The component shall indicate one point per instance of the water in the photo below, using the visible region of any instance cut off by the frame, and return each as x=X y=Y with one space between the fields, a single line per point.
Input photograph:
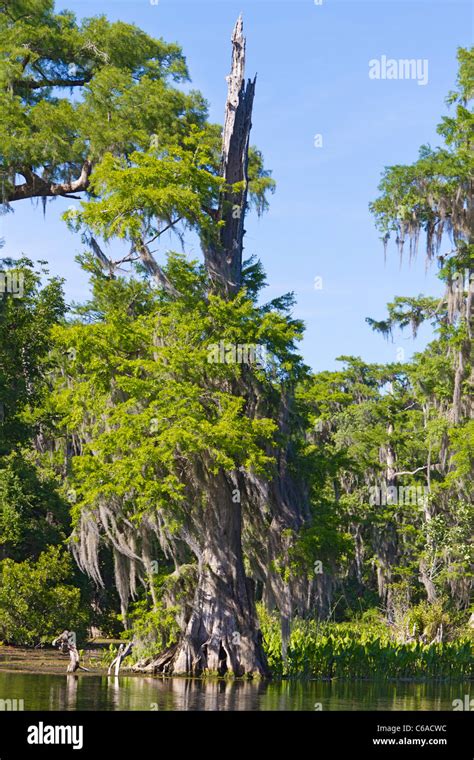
x=97 y=692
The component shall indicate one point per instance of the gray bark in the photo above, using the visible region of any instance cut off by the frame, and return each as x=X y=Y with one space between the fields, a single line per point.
x=123 y=651
x=66 y=643
x=38 y=187
x=221 y=634
x=223 y=255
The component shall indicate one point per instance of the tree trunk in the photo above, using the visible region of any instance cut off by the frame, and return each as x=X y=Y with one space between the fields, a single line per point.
x=222 y=634
x=223 y=255
x=386 y=542
x=427 y=582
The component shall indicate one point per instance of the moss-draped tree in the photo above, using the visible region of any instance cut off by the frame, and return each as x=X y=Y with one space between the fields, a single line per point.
x=228 y=481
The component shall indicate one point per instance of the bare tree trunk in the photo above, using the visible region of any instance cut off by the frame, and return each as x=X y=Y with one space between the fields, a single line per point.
x=223 y=256
x=387 y=542
x=427 y=582
x=458 y=381
x=464 y=353
x=123 y=652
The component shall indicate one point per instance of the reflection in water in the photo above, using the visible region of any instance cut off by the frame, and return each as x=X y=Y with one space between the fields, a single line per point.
x=113 y=684
x=73 y=692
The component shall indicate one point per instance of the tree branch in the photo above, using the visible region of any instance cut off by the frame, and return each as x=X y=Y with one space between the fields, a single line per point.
x=418 y=469
x=168 y=227
x=149 y=261
x=34 y=84
x=37 y=187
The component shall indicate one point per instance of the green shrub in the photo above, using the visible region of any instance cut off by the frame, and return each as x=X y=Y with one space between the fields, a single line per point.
x=152 y=630
x=38 y=599
x=426 y=618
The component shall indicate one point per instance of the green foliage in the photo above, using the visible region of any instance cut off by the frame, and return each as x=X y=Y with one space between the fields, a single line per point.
x=120 y=78
x=100 y=92
x=427 y=618
x=173 y=182
x=404 y=312
x=26 y=317
x=350 y=421
x=38 y=599
x=360 y=650
x=32 y=515
x=430 y=195
x=152 y=630
x=142 y=385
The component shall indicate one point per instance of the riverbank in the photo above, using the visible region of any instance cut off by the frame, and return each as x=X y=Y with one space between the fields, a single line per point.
x=324 y=657
x=49 y=661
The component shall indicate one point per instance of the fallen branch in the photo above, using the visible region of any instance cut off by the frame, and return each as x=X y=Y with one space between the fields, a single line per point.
x=66 y=643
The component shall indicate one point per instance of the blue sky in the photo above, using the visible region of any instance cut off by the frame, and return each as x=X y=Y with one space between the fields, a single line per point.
x=313 y=78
